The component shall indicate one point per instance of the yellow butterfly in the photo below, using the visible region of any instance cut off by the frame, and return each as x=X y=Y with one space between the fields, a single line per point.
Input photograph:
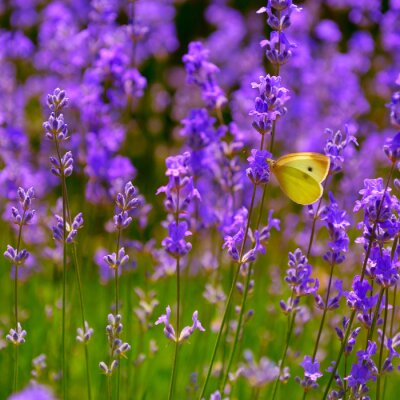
x=300 y=175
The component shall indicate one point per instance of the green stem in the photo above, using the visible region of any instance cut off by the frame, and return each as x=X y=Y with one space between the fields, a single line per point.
x=109 y=393
x=315 y=221
x=375 y=318
x=378 y=379
x=321 y=325
x=67 y=216
x=346 y=359
x=79 y=282
x=237 y=333
x=284 y=354
x=224 y=347
x=116 y=275
x=346 y=337
x=223 y=322
x=16 y=302
x=175 y=365
x=16 y=367
x=117 y=303
x=64 y=289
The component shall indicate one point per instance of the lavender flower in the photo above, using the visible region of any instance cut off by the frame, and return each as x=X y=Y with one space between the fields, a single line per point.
x=351 y=341
x=16 y=336
x=392 y=146
x=269 y=104
x=273 y=223
x=358 y=298
x=71 y=230
x=333 y=302
x=258 y=374
x=180 y=190
x=278 y=48
x=16 y=257
x=311 y=374
x=84 y=334
x=65 y=167
x=169 y=330
x=115 y=261
x=39 y=365
x=57 y=101
x=24 y=215
x=336 y=145
x=175 y=243
x=251 y=255
x=337 y=224
x=383 y=268
x=109 y=370
x=388 y=363
x=387 y=226
x=118 y=348
x=55 y=128
x=363 y=371
x=34 y=392
x=185 y=333
x=232 y=242
x=394 y=106
x=198 y=129
x=259 y=170
x=203 y=73
x=299 y=275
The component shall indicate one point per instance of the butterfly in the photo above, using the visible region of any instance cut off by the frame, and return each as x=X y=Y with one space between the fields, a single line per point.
x=300 y=175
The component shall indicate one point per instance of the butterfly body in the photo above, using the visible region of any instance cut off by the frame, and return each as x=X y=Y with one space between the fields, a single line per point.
x=300 y=175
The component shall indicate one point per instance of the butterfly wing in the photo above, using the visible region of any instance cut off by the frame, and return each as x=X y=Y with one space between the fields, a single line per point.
x=300 y=187
x=314 y=165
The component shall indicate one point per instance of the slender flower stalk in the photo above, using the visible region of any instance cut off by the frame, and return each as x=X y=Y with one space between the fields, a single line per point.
x=22 y=215
x=57 y=131
x=66 y=228
x=178 y=302
x=178 y=308
x=126 y=202
x=383 y=335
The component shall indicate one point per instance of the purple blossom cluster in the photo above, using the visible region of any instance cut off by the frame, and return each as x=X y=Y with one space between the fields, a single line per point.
x=278 y=48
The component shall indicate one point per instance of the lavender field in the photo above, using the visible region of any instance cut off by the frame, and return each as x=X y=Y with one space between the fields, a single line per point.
x=199 y=199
